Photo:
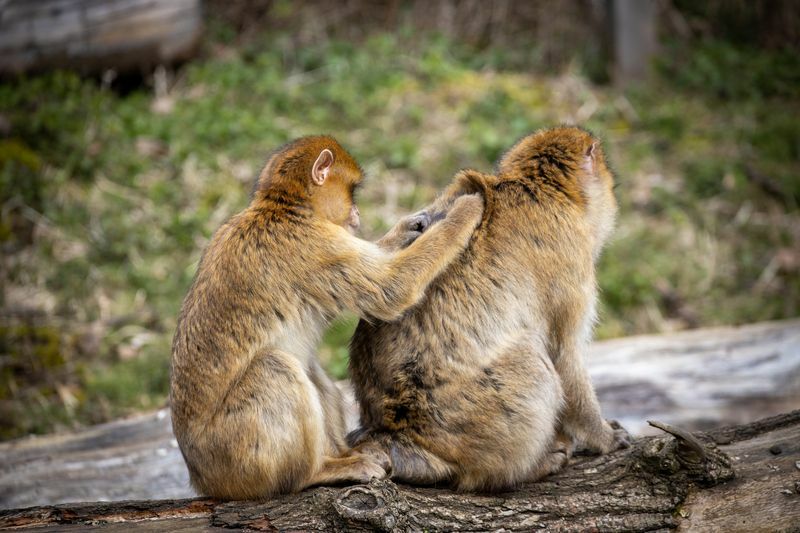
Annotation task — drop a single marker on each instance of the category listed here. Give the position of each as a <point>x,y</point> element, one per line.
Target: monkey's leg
<point>267,436</point>
<point>581,418</point>
<point>497,425</point>
<point>332,407</point>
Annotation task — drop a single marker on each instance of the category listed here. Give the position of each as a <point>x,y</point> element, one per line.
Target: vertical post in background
<point>635,38</point>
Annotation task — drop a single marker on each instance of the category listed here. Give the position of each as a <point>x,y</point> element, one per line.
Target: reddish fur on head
<point>567,164</point>
<point>316,172</point>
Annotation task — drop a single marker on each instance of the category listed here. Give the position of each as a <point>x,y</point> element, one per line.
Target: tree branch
<point>748,483</point>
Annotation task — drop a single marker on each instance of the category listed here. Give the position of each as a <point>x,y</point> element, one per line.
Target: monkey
<point>253,412</point>
<point>481,386</point>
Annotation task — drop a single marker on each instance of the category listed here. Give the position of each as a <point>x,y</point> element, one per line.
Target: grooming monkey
<point>253,412</point>
<point>482,385</point>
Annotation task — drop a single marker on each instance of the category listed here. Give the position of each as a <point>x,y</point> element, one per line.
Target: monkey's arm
<point>408,229</point>
<point>384,285</point>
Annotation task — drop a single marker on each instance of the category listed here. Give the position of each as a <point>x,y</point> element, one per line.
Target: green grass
<point>108,200</point>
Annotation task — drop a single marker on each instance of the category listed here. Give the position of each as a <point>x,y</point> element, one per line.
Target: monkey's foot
<point>622,439</point>
<point>353,468</point>
<point>553,462</point>
<point>376,455</point>
<point>371,465</point>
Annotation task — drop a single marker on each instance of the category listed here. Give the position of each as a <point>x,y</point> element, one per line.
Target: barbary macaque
<point>253,412</point>
<point>482,385</point>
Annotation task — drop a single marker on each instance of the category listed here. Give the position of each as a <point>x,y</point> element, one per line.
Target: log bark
<point>95,35</point>
<point>741,478</point>
<point>695,380</point>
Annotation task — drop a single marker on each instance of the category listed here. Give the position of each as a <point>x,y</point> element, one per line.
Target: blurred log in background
<point>95,35</point>
<point>616,38</point>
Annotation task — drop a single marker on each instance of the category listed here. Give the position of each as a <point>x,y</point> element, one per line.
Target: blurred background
<point>130,130</point>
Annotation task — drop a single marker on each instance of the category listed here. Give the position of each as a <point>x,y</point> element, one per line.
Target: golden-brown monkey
<point>253,412</point>
<point>482,384</point>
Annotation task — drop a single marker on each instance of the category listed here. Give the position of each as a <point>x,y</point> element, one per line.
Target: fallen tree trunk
<point>743,478</point>
<point>698,379</point>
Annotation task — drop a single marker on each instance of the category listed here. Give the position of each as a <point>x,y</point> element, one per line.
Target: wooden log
<point>743,478</point>
<point>697,379</point>
<point>95,35</point>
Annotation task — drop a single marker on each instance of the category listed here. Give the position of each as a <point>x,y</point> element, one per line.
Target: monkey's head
<point>569,164</point>
<point>315,171</point>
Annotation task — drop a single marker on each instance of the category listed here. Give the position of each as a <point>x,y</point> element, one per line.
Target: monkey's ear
<point>322,166</point>
<point>590,158</point>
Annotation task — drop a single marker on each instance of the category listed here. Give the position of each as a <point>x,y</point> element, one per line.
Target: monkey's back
<point>462,372</point>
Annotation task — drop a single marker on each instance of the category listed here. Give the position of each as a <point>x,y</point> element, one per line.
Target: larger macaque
<point>253,412</point>
<point>482,385</point>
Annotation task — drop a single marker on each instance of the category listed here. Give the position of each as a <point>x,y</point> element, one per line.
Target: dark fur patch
<point>490,380</point>
<point>414,373</point>
<point>519,187</point>
<point>389,293</point>
<point>400,413</point>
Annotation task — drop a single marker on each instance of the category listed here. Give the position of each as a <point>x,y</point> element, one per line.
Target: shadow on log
<point>742,478</point>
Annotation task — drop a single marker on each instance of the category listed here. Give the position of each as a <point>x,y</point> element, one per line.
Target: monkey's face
<point>335,201</point>
<point>336,182</point>
<point>354,220</point>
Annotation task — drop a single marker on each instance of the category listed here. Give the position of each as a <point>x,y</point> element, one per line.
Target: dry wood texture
<point>743,478</point>
<point>695,380</point>
<point>94,35</point>
<point>699,379</point>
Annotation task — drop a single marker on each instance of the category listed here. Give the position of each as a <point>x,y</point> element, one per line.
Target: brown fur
<point>253,412</point>
<point>482,385</point>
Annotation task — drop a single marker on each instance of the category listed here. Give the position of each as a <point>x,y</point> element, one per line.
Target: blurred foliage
<point>107,200</point>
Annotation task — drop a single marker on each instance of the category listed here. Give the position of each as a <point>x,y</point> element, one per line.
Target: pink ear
<point>589,160</point>
<point>319,172</point>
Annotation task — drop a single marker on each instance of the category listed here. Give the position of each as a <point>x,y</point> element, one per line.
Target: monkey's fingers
<point>418,222</point>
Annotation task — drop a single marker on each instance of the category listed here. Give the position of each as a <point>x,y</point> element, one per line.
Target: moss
<point>38,348</point>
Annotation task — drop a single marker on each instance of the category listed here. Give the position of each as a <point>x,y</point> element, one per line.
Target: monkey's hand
<point>406,231</point>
